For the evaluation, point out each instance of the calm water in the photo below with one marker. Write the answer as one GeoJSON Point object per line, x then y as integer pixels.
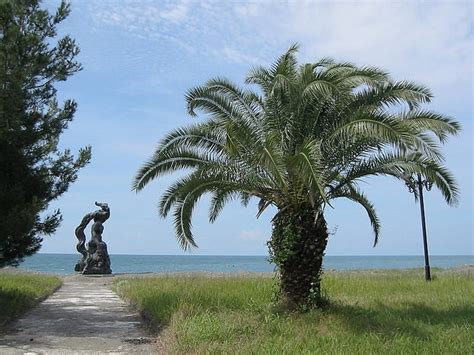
{"type": "Point", "coordinates": [64, 263]}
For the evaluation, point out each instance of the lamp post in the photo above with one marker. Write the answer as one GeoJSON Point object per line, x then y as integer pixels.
{"type": "Point", "coordinates": [418, 184]}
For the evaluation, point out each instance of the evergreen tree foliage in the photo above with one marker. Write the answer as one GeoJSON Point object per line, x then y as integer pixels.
{"type": "Point", "coordinates": [309, 135]}
{"type": "Point", "coordinates": [33, 171]}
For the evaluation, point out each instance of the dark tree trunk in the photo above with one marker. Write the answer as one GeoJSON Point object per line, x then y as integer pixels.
{"type": "Point", "coordinates": [297, 246]}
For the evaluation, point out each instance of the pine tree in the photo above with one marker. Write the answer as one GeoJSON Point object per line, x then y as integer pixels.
{"type": "Point", "coordinates": [33, 171]}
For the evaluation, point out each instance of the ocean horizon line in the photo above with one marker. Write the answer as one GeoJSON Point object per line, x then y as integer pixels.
{"type": "Point", "coordinates": [265, 255]}
{"type": "Point", "coordinates": [126, 263]}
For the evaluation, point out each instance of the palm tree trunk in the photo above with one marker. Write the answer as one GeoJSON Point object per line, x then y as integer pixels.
{"type": "Point", "coordinates": [297, 246]}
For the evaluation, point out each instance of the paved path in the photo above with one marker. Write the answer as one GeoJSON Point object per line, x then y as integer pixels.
{"type": "Point", "coordinates": [83, 317]}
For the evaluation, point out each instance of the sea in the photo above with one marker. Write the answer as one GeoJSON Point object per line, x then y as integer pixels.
{"type": "Point", "coordinates": [64, 263]}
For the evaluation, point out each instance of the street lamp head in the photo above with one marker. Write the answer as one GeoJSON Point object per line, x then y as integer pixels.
{"type": "Point", "coordinates": [409, 181]}
{"type": "Point", "coordinates": [428, 185]}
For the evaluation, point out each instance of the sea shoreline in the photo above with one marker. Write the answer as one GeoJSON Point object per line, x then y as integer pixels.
{"type": "Point", "coordinates": [462, 269]}
{"type": "Point", "coordinates": [63, 264]}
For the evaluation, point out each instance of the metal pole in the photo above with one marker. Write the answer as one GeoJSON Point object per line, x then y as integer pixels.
{"type": "Point", "coordinates": [423, 226]}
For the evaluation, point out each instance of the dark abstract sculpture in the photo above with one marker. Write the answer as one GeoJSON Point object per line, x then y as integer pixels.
{"type": "Point", "coordinates": [95, 258]}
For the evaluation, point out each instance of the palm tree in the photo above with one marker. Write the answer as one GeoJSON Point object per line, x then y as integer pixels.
{"type": "Point", "coordinates": [306, 137]}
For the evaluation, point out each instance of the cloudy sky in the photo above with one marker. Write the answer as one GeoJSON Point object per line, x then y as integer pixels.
{"type": "Point", "coordinates": [140, 57]}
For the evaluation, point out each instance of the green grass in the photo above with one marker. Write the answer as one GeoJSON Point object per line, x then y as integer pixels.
{"type": "Point", "coordinates": [19, 291]}
{"type": "Point", "coordinates": [389, 312]}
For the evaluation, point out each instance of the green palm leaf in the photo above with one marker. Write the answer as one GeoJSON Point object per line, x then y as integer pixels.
{"type": "Point", "coordinates": [308, 135]}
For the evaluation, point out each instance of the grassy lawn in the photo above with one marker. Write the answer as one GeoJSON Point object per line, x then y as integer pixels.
{"type": "Point", "coordinates": [19, 291]}
{"type": "Point", "coordinates": [390, 312]}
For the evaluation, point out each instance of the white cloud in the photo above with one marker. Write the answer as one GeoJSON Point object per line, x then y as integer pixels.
{"type": "Point", "coordinates": [430, 43]}
{"type": "Point", "coordinates": [175, 13]}
{"type": "Point", "coordinates": [127, 13]}
{"type": "Point", "coordinates": [247, 9]}
{"type": "Point", "coordinates": [236, 56]}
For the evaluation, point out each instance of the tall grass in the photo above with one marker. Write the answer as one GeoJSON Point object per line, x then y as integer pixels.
{"type": "Point", "coordinates": [19, 291]}
{"type": "Point", "coordinates": [388, 312]}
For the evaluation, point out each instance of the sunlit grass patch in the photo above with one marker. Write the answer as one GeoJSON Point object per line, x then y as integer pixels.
{"type": "Point", "coordinates": [388, 312]}
{"type": "Point", "coordinates": [19, 292]}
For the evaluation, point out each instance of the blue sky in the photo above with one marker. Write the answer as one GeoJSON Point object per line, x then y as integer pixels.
{"type": "Point", "coordinates": [140, 57]}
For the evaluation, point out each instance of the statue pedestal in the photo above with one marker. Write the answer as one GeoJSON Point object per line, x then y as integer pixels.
{"type": "Point", "coordinates": [97, 261]}
{"type": "Point", "coordinates": [80, 265]}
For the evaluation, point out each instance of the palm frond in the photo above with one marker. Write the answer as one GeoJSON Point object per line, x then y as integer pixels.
{"type": "Point", "coordinates": [169, 162]}
{"type": "Point", "coordinates": [372, 76]}
{"type": "Point", "coordinates": [354, 194]}
{"type": "Point", "coordinates": [189, 194]}
{"type": "Point", "coordinates": [270, 157]}
{"type": "Point", "coordinates": [219, 199]}
{"type": "Point", "coordinates": [305, 163]}
{"type": "Point", "coordinates": [248, 103]}
{"type": "Point", "coordinates": [396, 165]}
{"type": "Point", "coordinates": [262, 77]}
{"type": "Point", "coordinates": [319, 89]}
{"type": "Point", "coordinates": [422, 121]}
{"type": "Point", "coordinates": [286, 64]}
{"type": "Point", "coordinates": [379, 127]}
{"type": "Point", "coordinates": [214, 103]}
{"type": "Point", "coordinates": [389, 94]}
{"type": "Point", "coordinates": [207, 136]}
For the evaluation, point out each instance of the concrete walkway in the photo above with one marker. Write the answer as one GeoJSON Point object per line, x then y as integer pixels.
{"type": "Point", "coordinates": [83, 317]}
